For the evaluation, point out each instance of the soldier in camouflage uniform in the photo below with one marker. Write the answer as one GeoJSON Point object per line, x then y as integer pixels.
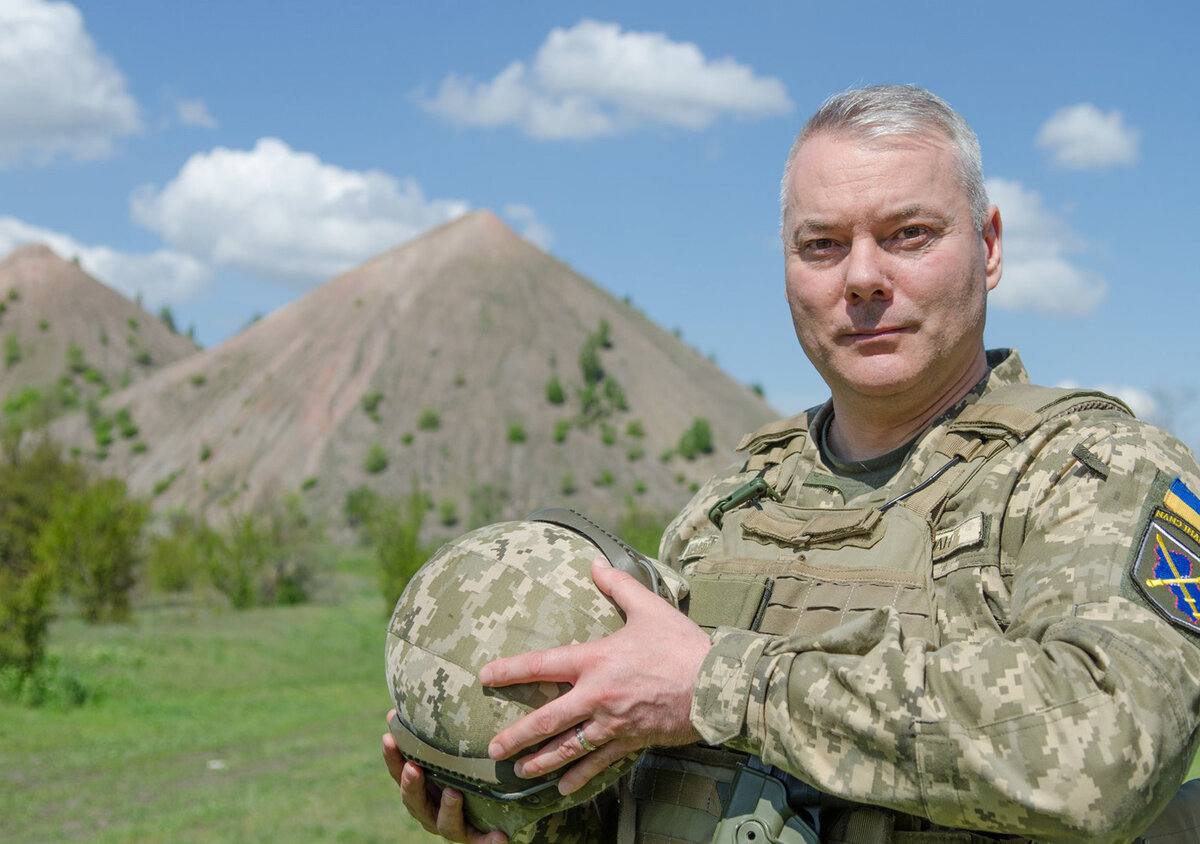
{"type": "Point", "coordinates": [964, 606]}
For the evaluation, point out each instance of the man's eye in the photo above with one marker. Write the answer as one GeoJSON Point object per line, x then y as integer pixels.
{"type": "Point", "coordinates": [913, 234]}
{"type": "Point", "coordinates": [817, 246]}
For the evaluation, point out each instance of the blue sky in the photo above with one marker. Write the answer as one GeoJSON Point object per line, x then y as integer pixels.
{"type": "Point", "coordinates": [224, 158]}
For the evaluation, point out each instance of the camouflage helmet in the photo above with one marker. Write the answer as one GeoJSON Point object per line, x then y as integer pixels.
{"type": "Point", "coordinates": [498, 591]}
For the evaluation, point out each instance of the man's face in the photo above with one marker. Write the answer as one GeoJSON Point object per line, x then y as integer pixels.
{"type": "Point", "coordinates": [887, 277]}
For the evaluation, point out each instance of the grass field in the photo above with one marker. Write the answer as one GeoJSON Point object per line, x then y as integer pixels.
{"type": "Point", "coordinates": [213, 725]}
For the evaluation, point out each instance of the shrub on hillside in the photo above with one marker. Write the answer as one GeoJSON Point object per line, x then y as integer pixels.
{"type": "Point", "coordinates": [376, 460]}
{"type": "Point", "coordinates": [370, 404]}
{"type": "Point", "coordinates": [429, 420]}
{"type": "Point", "coordinates": [561, 427]}
{"type": "Point", "coordinates": [696, 440]}
{"type": "Point", "coordinates": [555, 394]}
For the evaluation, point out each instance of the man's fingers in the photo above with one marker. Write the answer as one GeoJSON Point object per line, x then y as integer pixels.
{"type": "Point", "coordinates": [561, 750]}
{"type": "Point", "coordinates": [625, 589]}
{"type": "Point", "coordinates": [592, 764]}
{"type": "Point", "coordinates": [392, 757]}
{"type": "Point", "coordinates": [556, 665]}
{"type": "Point", "coordinates": [555, 717]}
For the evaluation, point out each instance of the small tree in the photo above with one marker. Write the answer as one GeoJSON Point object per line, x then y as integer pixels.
{"type": "Point", "coordinates": [394, 529]}
{"type": "Point", "coordinates": [555, 394]}
{"type": "Point", "coordinates": [94, 536]}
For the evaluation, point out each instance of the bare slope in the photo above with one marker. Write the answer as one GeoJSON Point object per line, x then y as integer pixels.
{"type": "Point", "coordinates": [56, 321]}
{"type": "Point", "coordinates": [435, 357]}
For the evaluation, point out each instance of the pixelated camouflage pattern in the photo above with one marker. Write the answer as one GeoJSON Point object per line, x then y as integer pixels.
{"type": "Point", "coordinates": [1051, 702]}
{"type": "Point", "coordinates": [501, 590]}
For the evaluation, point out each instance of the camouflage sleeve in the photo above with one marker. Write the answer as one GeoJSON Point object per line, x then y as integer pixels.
{"type": "Point", "coordinates": [1069, 716]}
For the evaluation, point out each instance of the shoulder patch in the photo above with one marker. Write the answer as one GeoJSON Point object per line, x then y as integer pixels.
{"type": "Point", "coordinates": [1167, 568]}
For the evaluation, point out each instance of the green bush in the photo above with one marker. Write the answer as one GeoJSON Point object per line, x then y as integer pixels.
{"type": "Point", "coordinates": [561, 427]}
{"type": "Point", "coordinates": [263, 559]}
{"type": "Point", "coordinates": [125, 424]}
{"type": "Point", "coordinates": [370, 404]}
{"type": "Point", "coordinates": [12, 351]}
{"type": "Point", "coordinates": [94, 538]}
{"type": "Point", "coordinates": [358, 505]}
{"type": "Point", "coordinates": [567, 485]}
{"type": "Point", "coordinates": [75, 361]}
{"type": "Point", "coordinates": [429, 420]}
{"type": "Point", "coordinates": [393, 530]}
{"type": "Point", "coordinates": [205, 452]}
{"type": "Point", "coordinates": [376, 460]}
{"type": "Point", "coordinates": [696, 440]}
{"type": "Point", "coordinates": [555, 394]}
{"type": "Point", "coordinates": [608, 434]}
{"type": "Point", "coordinates": [102, 431]}
{"type": "Point", "coordinates": [615, 395]}
{"type": "Point", "coordinates": [635, 430]}
{"type": "Point", "coordinates": [50, 685]}
{"type": "Point", "coordinates": [516, 433]}
{"type": "Point", "coordinates": [181, 554]}
{"type": "Point", "coordinates": [589, 362]}
{"type": "Point", "coordinates": [29, 489]}
{"type": "Point", "coordinates": [447, 512]}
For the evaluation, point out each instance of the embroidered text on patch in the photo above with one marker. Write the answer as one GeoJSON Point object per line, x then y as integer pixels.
{"type": "Point", "coordinates": [1167, 570]}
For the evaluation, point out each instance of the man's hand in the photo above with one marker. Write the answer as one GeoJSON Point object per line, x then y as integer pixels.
{"type": "Point", "coordinates": [630, 690]}
{"type": "Point", "coordinates": [438, 810]}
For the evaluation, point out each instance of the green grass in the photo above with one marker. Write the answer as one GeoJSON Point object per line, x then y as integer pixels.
{"type": "Point", "coordinates": [213, 725]}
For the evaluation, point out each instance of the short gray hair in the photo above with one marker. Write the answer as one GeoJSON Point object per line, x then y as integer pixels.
{"type": "Point", "coordinates": [884, 110]}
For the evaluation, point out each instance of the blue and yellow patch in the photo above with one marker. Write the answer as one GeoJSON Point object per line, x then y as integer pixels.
{"type": "Point", "coordinates": [1167, 569]}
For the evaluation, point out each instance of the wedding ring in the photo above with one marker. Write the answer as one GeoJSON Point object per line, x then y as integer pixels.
{"type": "Point", "coordinates": [587, 746]}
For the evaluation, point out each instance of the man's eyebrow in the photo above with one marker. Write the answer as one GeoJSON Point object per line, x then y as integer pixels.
{"type": "Point", "coordinates": [915, 212]}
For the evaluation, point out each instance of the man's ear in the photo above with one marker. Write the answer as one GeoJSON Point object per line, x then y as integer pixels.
{"type": "Point", "coordinates": [993, 246]}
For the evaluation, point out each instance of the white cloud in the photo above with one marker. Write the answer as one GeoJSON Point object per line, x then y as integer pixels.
{"type": "Point", "coordinates": [594, 79]}
{"type": "Point", "coordinates": [277, 212]}
{"type": "Point", "coordinates": [58, 93]}
{"type": "Point", "coordinates": [195, 113]}
{"type": "Point", "coordinates": [1081, 137]}
{"type": "Point", "coordinates": [160, 277]}
{"type": "Point", "coordinates": [1038, 274]}
{"type": "Point", "coordinates": [531, 228]}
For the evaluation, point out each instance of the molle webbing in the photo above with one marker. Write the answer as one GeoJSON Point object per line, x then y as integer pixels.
{"type": "Point", "coordinates": [681, 792]}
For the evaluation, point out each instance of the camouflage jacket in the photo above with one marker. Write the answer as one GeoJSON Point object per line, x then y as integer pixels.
{"type": "Point", "coordinates": [1045, 695]}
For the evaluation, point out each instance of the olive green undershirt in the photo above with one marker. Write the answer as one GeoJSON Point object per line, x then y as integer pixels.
{"type": "Point", "coordinates": [858, 476]}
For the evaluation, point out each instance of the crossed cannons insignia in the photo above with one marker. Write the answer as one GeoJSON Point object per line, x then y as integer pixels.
{"type": "Point", "coordinates": [1167, 569]}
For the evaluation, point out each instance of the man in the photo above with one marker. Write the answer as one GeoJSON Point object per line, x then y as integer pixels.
{"type": "Point", "coordinates": [954, 600]}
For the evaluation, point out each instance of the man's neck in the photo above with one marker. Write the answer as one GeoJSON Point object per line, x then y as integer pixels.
{"type": "Point", "coordinates": [865, 426]}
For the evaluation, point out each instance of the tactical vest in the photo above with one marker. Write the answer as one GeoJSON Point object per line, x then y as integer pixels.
{"type": "Point", "coordinates": [785, 556]}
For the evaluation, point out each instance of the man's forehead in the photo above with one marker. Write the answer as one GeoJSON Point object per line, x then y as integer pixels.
{"type": "Point", "coordinates": [900, 176]}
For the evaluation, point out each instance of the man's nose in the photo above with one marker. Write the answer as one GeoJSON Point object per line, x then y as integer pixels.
{"type": "Point", "coordinates": [867, 273]}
